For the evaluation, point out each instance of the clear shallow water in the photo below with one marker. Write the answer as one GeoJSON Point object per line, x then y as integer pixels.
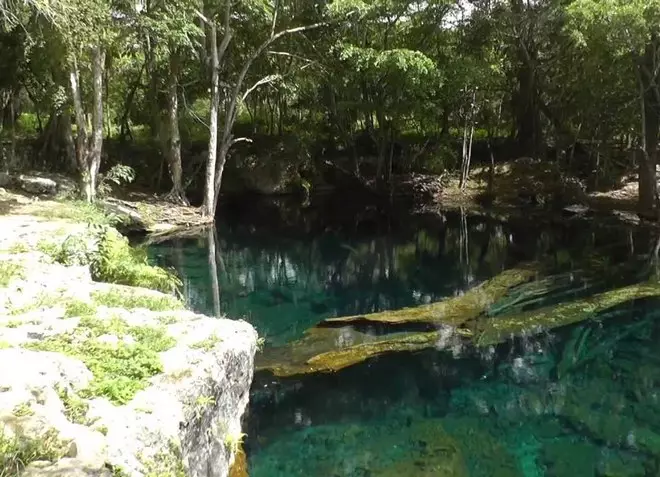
{"type": "Point", "coordinates": [581, 400]}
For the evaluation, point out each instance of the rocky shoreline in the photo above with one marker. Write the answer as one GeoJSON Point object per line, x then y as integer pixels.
{"type": "Point", "coordinates": [101, 379]}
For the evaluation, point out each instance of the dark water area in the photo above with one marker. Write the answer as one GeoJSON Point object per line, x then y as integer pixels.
{"type": "Point", "coordinates": [578, 400]}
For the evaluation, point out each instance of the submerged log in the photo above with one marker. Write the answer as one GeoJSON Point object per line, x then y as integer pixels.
{"type": "Point", "coordinates": [320, 351]}
{"type": "Point", "coordinates": [337, 343]}
{"type": "Point", "coordinates": [499, 329]}
{"type": "Point", "coordinates": [453, 311]}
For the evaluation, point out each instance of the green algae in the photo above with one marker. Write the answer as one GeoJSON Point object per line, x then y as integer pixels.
{"type": "Point", "coordinates": [454, 311]}
{"type": "Point", "coordinates": [414, 447]}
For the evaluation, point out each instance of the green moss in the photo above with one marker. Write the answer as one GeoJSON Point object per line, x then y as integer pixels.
{"type": "Point", "coordinates": [79, 308]}
{"type": "Point", "coordinates": [233, 442]}
{"type": "Point", "coordinates": [207, 344]}
{"type": "Point", "coordinates": [117, 262]}
{"type": "Point", "coordinates": [48, 247]}
{"type": "Point", "coordinates": [131, 300]}
{"type": "Point", "coordinates": [16, 454]}
{"type": "Point", "coordinates": [168, 319]}
{"type": "Point", "coordinates": [119, 370]}
{"type": "Point", "coordinates": [10, 271]}
{"type": "Point", "coordinates": [102, 429]}
{"type": "Point", "coordinates": [166, 464]}
{"type": "Point", "coordinates": [5, 345]}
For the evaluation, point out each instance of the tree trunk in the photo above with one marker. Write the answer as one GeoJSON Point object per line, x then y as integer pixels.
{"type": "Point", "coordinates": [88, 150]}
{"type": "Point", "coordinates": [526, 108]}
{"type": "Point", "coordinates": [81, 134]}
{"type": "Point", "coordinates": [650, 108]}
{"type": "Point", "coordinates": [177, 194]}
{"type": "Point", "coordinates": [208, 208]}
{"type": "Point", "coordinates": [94, 160]}
{"type": "Point", "coordinates": [213, 271]}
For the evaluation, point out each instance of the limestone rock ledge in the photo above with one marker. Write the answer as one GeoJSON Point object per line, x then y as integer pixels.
{"type": "Point", "coordinates": [193, 375]}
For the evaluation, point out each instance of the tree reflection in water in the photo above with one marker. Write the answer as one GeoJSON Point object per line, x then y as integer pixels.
{"type": "Point", "coordinates": [284, 272]}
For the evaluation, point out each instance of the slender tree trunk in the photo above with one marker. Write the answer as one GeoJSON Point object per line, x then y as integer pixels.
{"type": "Point", "coordinates": [81, 134]}
{"type": "Point", "coordinates": [650, 108]}
{"type": "Point", "coordinates": [177, 194]}
{"type": "Point", "coordinates": [94, 161]}
{"type": "Point", "coordinates": [208, 208]}
{"type": "Point", "coordinates": [213, 271]}
{"type": "Point", "coordinates": [88, 150]}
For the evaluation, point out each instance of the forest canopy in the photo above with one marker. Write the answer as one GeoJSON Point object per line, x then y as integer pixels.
{"type": "Point", "coordinates": [185, 89]}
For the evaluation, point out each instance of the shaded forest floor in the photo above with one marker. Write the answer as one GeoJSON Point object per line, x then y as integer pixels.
{"type": "Point", "coordinates": [527, 182]}
{"type": "Point", "coordinates": [140, 211]}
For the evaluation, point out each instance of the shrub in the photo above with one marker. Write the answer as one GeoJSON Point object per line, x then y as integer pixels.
{"type": "Point", "coordinates": [115, 261]}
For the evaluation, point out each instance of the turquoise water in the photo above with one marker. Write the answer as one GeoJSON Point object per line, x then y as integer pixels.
{"type": "Point", "coordinates": [579, 400]}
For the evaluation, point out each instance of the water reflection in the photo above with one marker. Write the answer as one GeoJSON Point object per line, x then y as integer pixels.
{"type": "Point", "coordinates": [285, 280]}
{"type": "Point", "coordinates": [581, 400]}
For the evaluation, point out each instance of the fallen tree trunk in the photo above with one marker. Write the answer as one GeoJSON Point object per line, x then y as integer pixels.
{"type": "Point", "coordinates": [453, 311]}
{"type": "Point", "coordinates": [498, 329]}
{"type": "Point", "coordinates": [330, 349]}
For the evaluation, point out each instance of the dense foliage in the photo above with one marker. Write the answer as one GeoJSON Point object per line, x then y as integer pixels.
{"type": "Point", "coordinates": [369, 88]}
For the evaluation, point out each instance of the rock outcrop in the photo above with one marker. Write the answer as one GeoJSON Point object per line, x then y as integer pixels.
{"type": "Point", "coordinates": [108, 380]}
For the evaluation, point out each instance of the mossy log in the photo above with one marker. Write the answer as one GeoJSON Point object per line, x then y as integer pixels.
{"type": "Point", "coordinates": [453, 311]}
{"type": "Point", "coordinates": [498, 329]}
{"type": "Point", "coordinates": [324, 350]}
{"type": "Point", "coordinates": [320, 352]}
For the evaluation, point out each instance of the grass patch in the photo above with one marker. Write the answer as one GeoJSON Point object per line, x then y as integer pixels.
{"type": "Point", "coordinates": [42, 300]}
{"type": "Point", "coordinates": [5, 344]}
{"type": "Point", "coordinates": [119, 370]}
{"type": "Point", "coordinates": [129, 301]}
{"type": "Point", "coordinates": [16, 454]}
{"type": "Point", "coordinates": [78, 211]}
{"type": "Point", "coordinates": [79, 308]}
{"type": "Point", "coordinates": [10, 271]}
{"type": "Point", "coordinates": [19, 247]}
{"type": "Point", "coordinates": [22, 410]}
{"type": "Point", "coordinates": [75, 408]}
{"type": "Point", "coordinates": [117, 262]}
{"type": "Point", "coordinates": [13, 324]}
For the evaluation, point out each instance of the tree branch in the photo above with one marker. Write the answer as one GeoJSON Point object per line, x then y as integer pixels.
{"type": "Point", "coordinates": [265, 80]}
{"type": "Point", "coordinates": [239, 139]}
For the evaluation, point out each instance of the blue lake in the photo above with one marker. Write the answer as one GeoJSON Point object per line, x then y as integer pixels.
{"type": "Point", "coordinates": [577, 400]}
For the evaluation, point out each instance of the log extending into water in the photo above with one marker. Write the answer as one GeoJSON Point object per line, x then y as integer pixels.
{"type": "Point", "coordinates": [338, 343]}
{"type": "Point", "coordinates": [499, 329]}
{"type": "Point", "coordinates": [453, 311]}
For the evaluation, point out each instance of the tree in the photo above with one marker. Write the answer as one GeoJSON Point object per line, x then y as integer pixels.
{"type": "Point", "coordinates": [630, 29]}
{"type": "Point", "coordinates": [235, 94]}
